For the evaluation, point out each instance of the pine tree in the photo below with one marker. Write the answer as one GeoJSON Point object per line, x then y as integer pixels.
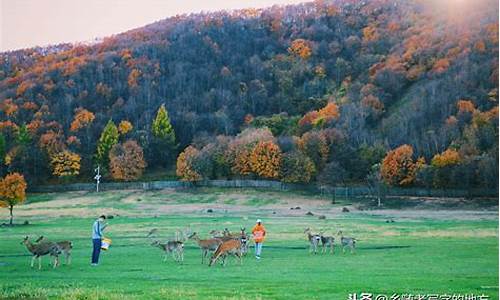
{"type": "Point", "coordinates": [164, 137]}
{"type": "Point", "coordinates": [109, 137]}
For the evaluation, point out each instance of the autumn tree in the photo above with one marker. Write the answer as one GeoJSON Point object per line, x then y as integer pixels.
{"type": "Point", "coordinates": [164, 136]}
{"type": "Point", "coordinates": [82, 119]}
{"type": "Point", "coordinates": [126, 161]}
{"type": "Point", "coordinates": [65, 164]}
{"type": "Point", "coordinates": [109, 137]}
{"type": "Point", "coordinates": [297, 168]}
{"type": "Point", "coordinates": [398, 167]}
{"type": "Point", "coordinates": [240, 149]}
{"type": "Point", "coordinates": [125, 127]}
{"type": "Point", "coordinates": [265, 160]}
{"type": "Point", "coordinates": [12, 192]}
{"type": "Point", "coordinates": [300, 48]}
{"type": "Point", "coordinates": [443, 165]}
{"type": "Point", "coordinates": [185, 168]}
{"type": "Point", "coordinates": [315, 145]}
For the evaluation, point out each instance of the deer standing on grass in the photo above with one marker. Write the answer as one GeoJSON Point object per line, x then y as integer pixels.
{"type": "Point", "coordinates": [174, 247]}
{"type": "Point", "coordinates": [41, 249]}
{"type": "Point", "coordinates": [313, 240]}
{"type": "Point", "coordinates": [347, 242]}
{"type": "Point", "coordinates": [230, 247]}
{"type": "Point", "coordinates": [244, 241]}
{"type": "Point", "coordinates": [208, 245]}
{"type": "Point", "coordinates": [64, 246]}
{"type": "Point", "coordinates": [326, 242]}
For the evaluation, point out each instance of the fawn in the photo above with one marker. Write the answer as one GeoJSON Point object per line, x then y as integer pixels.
{"type": "Point", "coordinates": [327, 242]}
{"type": "Point", "coordinates": [313, 240]}
{"type": "Point", "coordinates": [347, 242]}
{"type": "Point", "coordinates": [230, 247]}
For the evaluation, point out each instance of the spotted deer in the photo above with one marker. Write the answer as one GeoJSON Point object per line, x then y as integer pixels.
{"type": "Point", "coordinates": [326, 242]}
{"type": "Point", "coordinates": [313, 239]}
{"type": "Point", "coordinates": [347, 242]}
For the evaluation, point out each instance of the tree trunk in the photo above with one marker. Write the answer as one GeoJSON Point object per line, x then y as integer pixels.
{"type": "Point", "coordinates": [11, 216]}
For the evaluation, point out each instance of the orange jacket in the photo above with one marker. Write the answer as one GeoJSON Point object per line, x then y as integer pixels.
{"type": "Point", "coordinates": [259, 233]}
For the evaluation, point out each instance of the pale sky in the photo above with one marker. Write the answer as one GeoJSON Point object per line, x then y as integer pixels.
{"type": "Point", "coordinates": [28, 23]}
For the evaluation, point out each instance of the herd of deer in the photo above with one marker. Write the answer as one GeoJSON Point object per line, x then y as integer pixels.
{"type": "Point", "coordinates": [328, 242]}
{"type": "Point", "coordinates": [221, 245]}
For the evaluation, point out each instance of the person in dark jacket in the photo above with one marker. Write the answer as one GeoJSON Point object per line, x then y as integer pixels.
{"type": "Point", "coordinates": [97, 229]}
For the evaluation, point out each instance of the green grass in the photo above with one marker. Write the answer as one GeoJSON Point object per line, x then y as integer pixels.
{"type": "Point", "coordinates": [409, 256]}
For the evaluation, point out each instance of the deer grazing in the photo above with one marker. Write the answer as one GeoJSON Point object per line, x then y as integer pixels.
{"type": "Point", "coordinates": [313, 240]}
{"type": "Point", "coordinates": [41, 249]}
{"type": "Point", "coordinates": [208, 245]}
{"type": "Point", "coordinates": [230, 247]}
{"type": "Point", "coordinates": [64, 246]}
{"type": "Point", "coordinates": [174, 247]}
{"type": "Point", "coordinates": [347, 242]}
{"type": "Point", "coordinates": [326, 242]}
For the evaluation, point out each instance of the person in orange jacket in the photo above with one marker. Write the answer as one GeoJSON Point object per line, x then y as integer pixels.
{"type": "Point", "coordinates": [259, 234]}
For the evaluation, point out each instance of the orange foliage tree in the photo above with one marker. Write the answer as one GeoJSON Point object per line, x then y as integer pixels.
{"type": "Point", "coordinates": [125, 127]}
{"type": "Point", "coordinates": [185, 168]}
{"type": "Point", "coordinates": [398, 167]}
{"type": "Point", "coordinates": [314, 144]}
{"type": "Point", "coordinates": [82, 119]}
{"type": "Point", "coordinates": [12, 192]}
{"type": "Point", "coordinates": [319, 117]}
{"type": "Point", "coordinates": [265, 160]}
{"type": "Point", "coordinates": [65, 164]}
{"type": "Point", "coordinates": [300, 48]}
{"type": "Point", "coordinates": [126, 161]}
{"type": "Point", "coordinates": [449, 157]}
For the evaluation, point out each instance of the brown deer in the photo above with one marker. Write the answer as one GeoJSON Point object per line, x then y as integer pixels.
{"type": "Point", "coordinates": [231, 247]}
{"type": "Point", "coordinates": [205, 245]}
{"type": "Point", "coordinates": [64, 246]}
{"type": "Point", "coordinates": [174, 247]}
{"type": "Point", "coordinates": [41, 249]}
{"type": "Point", "coordinates": [313, 240]}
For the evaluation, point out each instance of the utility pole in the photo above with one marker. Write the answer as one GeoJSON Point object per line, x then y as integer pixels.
{"type": "Point", "coordinates": [97, 178]}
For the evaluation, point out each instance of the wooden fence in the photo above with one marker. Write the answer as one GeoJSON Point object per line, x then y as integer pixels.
{"type": "Point", "coordinates": [345, 191]}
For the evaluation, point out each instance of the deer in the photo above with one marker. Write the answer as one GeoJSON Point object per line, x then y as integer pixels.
{"type": "Point", "coordinates": [41, 249]}
{"type": "Point", "coordinates": [313, 240]}
{"type": "Point", "coordinates": [326, 242]}
{"type": "Point", "coordinates": [205, 245]}
{"type": "Point", "coordinates": [64, 246]}
{"type": "Point", "coordinates": [347, 242]}
{"type": "Point", "coordinates": [244, 241]}
{"type": "Point", "coordinates": [230, 247]}
{"type": "Point", "coordinates": [224, 235]}
{"type": "Point", "coordinates": [174, 247]}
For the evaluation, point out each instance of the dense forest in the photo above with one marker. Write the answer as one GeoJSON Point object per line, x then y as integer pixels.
{"type": "Point", "coordinates": [334, 92]}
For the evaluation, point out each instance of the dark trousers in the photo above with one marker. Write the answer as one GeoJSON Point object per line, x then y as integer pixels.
{"type": "Point", "coordinates": [96, 251]}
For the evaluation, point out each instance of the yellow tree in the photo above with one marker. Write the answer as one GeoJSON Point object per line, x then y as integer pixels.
{"type": "Point", "coordinates": [449, 157]}
{"type": "Point", "coordinates": [125, 127]}
{"type": "Point", "coordinates": [265, 160]}
{"type": "Point", "coordinates": [12, 192]}
{"type": "Point", "coordinates": [65, 163]}
{"type": "Point", "coordinates": [398, 167]}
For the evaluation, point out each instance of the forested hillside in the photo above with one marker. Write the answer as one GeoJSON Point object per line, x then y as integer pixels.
{"type": "Point", "coordinates": [321, 91]}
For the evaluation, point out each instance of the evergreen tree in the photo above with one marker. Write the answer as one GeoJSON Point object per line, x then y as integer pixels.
{"type": "Point", "coordinates": [163, 137]}
{"type": "Point", "coordinates": [109, 137]}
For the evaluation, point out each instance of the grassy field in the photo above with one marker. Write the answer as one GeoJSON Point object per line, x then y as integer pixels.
{"type": "Point", "coordinates": [423, 251]}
